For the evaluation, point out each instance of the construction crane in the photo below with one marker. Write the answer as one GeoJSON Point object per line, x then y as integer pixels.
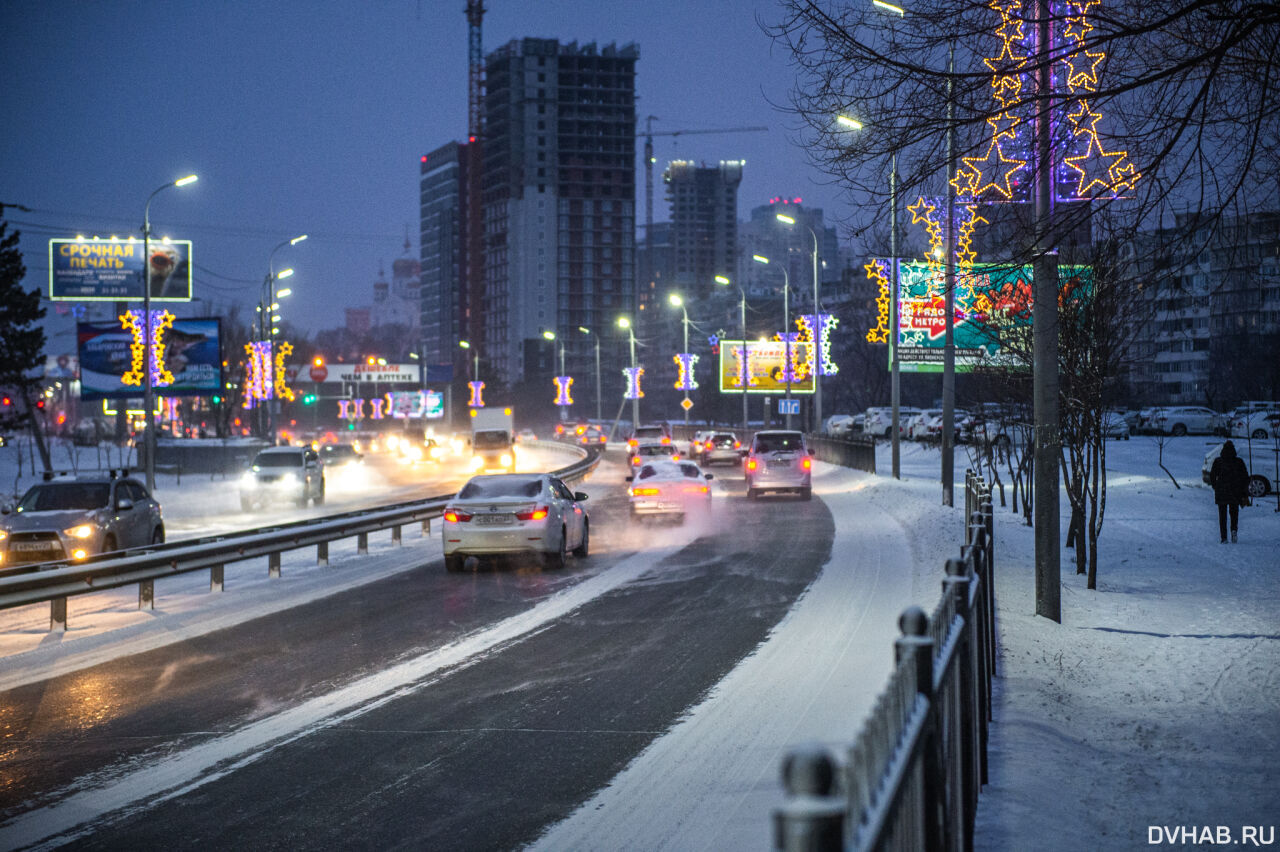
{"type": "Point", "coordinates": [648, 135]}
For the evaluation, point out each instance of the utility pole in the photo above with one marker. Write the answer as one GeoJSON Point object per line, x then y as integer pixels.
{"type": "Point", "coordinates": [895, 396]}
{"type": "Point", "coordinates": [949, 301]}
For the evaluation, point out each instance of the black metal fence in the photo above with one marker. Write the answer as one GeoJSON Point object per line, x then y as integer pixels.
{"type": "Point", "coordinates": [912, 777]}
{"type": "Point", "coordinates": [858, 453]}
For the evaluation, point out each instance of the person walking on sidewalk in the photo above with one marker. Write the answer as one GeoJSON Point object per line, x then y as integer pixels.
{"type": "Point", "coordinates": [1230, 481]}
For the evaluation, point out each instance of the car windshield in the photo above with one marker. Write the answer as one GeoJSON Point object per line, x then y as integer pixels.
{"type": "Point", "coordinates": [724, 440]}
{"type": "Point", "coordinates": [489, 440]}
{"type": "Point", "coordinates": [278, 460]}
{"type": "Point", "coordinates": [338, 451]}
{"type": "Point", "coordinates": [493, 487]}
{"type": "Point", "coordinates": [66, 495]}
{"type": "Point", "coordinates": [779, 442]}
{"type": "Point", "coordinates": [649, 432]}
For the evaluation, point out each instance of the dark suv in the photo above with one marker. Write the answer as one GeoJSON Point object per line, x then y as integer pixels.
{"type": "Point", "coordinates": [73, 519]}
{"type": "Point", "coordinates": [283, 473]}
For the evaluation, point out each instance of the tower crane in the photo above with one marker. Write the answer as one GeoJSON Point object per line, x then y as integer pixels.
{"type": "Point", "coordinates": [648, 135]}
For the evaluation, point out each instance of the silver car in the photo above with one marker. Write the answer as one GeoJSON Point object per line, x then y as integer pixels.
{"type": "Point", "coordinates": [778, 461]}
{"type": "Point", "coordinates": [511, 514]}
{"type": "Point", "coordinates": [283, 473]}
{"type": "Point", "coordinates": [669, 490]}
{"type": "Point", "coordinates": [73, 519]}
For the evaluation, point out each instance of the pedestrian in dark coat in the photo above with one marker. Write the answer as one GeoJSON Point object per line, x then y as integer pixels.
{"type": "Point", "coordinates": [1230, 481]}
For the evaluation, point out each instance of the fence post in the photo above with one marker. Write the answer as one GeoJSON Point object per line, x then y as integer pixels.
{"type": "Point", "coordinates": [811, 819]}
{"type": "Point", "coordinates": [273, 565]}
{"type": "Point", "coordinates": [362, 544]}
{"type": "Point", "coordinates": [426, 526]}
{"type": "Point", "coordinates": [957, 583]}
{"type": "Point", "coordinates": [58, 614]}
{"type": "Point", "coordinates": [215, 578]}
{"type": "Point", "coordinates": [395, 534]}
{"type": "Point", "coordinates": [322, 553]}
{"type": "Point", "coordinates": [917, 642]}
{"type": "Point", "coordinates": [147, 594]}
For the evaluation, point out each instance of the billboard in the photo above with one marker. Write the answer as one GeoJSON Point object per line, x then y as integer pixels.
{"type": "Point", "coordinates": [192, 353]}
{"type": "Point", "coordinates": [372, 373]}
{"type": "Point", "coordinates": [991, 302]}
{"type": "Point", "coordinates": [765, 359]}
{"type": "Point", "coordinates": [98, 270]}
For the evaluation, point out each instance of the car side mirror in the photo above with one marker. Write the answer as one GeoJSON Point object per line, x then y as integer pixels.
{"type": "Point", "coordinates": [6, 508]}
{"type": "Point", "coordinates": [124, 504]}
{"type": "Point", "coordinates": [709, 475]}
{"type": "Point", "coordinates": [580, 496]}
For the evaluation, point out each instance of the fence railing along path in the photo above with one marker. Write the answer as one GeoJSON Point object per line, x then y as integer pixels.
{"type": "Point", "coordinates": [912, 776]}
{"type": "Point", "coordinates": [145, 565]}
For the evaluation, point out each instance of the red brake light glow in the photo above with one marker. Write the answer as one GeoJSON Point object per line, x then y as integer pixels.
{"type": "Point", "coordinates": [537, 514]}
{"type": "Point", "coordinates": [695, 489]}
{"type": "Point", "coordinates": [666, 440]}
{"type": "Point", "coordinates": [751, 464]}
{"type": "Point", "coordinates": [635, 461]}
{"type": "Point", "coordinates": [644, 492]}
{"type": "Point", "coordinates": [454, 516]}
{"type": "Point", "coordinates": [807, 464]}
{"type": "Point", "coordinates": [737, 445]}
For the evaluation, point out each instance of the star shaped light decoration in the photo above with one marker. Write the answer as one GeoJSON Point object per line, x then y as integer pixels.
{"type": "Point", "coordinates": [879, 333]}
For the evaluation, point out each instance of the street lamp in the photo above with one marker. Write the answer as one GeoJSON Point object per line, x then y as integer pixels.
{"type": "Point", "coordinates": [624, 322]}
{"type": "Point", "coordinates": [724, 281]}
{"type": "Point", "coordinates": [148, 398]}
{"type": "Point", "coordinates": [551, 335]}
{"type": "Point", "coordinates": [268, 322]}
{"type": "Point", "coordinates": [676, 301]}
{"type": "Point", "coordinates": [585, 330]}
{"type": "Point", "coordinates": [786, 333]}
{"type": "Point", "coordinates": [475, 369]}
{"type": "Point", "coordinates": [817, 328]}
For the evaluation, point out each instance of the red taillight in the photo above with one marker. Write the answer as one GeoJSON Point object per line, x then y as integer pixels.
{"type": "Point", "coordinates": [455, 516]}
{"type": "Point", "coordinates": [751, 464]}
{"type": "Point", "coordinates": [635, 461]}
{"type": "Point", "coordinates": [666, 440]}
{"type": "Point", "coordinates": [737, 445]}
{"type": "Point", "coordinates": [631, 443]}
{"type": "Point", "coordinates": [602, 439]}
{"type": "Point", "coordinates": [675, 457]}
{"type": "Point", "coordinates": [695, 489]}
{"type": "Point", "coordinates": [644, 492]}
{"type": "Point", "coordinates": [581, 430]}
{"type": "Point", "coordinates": [806, 464]}
{"type": "Point", "coordinates": [536, 515]}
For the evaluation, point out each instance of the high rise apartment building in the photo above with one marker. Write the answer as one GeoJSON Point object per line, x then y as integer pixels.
{"type": "Point", "coordinates": [789, 246]}
{"type": "Point", "coordinates": [704, 223]}
{"type": "Point", "coordinates": [443, 294]}
{"type": "Point", "coordinates": [559, 195]}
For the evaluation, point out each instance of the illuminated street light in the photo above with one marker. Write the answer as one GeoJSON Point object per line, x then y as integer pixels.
{"type": "Point", "coordinates": [676, 301]}
{"type": "Point", "coordinates": [625, 322]}
{"type": "Point", "coordinates": [786, 332]}
{"type": "Point", "coordinates": [723, 280]}
{"type": "Point", "coordinates": [817, 327]}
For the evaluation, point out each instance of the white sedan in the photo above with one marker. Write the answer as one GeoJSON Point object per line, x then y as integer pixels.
{"type": "Point", "coordinates": [512, 514]}
{"type": "Point", "coordinates": [669, 489]}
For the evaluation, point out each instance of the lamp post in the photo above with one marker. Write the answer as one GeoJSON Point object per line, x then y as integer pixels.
{"type": "Point", "coordinates": [817, 327]}
{"type": "Point", "coordinates": [786, 333]}
{"type": "Point", "coordinates": [268, 307]}
{"type": "Point", "coordinates": [585, 330]}
{"type": "Point", "coordinates": [722, 280]}
{"type": "Point", "coordinates": [676, 301]}
{"type": "Point", "coordinates": [148, 395]}
{"type": "Point", "coordinates": [624, 322]}
{"type": "Point", "coordinates": [475, 364]}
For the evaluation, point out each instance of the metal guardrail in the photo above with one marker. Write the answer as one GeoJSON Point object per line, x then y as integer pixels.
{"type": "Point", "coordinates": [858, 452]}
{"type": "Point", "coordinates": [913, 774]}
{"type": "Point", "coordinates": [145, 565]}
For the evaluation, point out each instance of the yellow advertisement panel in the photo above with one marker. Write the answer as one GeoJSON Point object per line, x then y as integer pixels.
{"type": "Point", "coordinates": [764, 367]}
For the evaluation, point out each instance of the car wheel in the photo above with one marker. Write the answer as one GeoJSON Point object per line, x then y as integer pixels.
{"type": "Point", "coordinates": [1258, 487]}
{"type": "Point", "coordinates": [1259, 433]}
{"type": "Point", "coordinates": [157, 537]}
{"type": "Point", "coordinates": [806, 493]}
{"type": "Point", "coordinates": [318, 500]}
{"type": "Point", "coordinates": [1179, 430]}
{"type": "Point", "coordinates": [584, 548]}
{"type": "Point", "coordinates": [246, 504]}
{"type": "Point", "coordinates": [555, 559]}
{"type": "Point", "coordinates": [454, 564]}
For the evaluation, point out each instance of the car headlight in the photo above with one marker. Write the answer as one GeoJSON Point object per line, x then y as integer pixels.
{"type": "Point", "coordinates": [249, 479]}
{"type": "Point", "coordinates": [476, 462]}
{"type": "Point", "coordinates": [415, 453]}
{"type": "Point", "coordinates": [506, 459]}
{"type": "Point", "coordinates": [81, 531]}
{"type": "Point", "coordinates": [4, 534]}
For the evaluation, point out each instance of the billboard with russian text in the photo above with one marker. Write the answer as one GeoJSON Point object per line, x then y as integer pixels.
{"type": "Point", "coordinates": [98, 270]}
{"type": "Point", "coordinates": [192, 353]}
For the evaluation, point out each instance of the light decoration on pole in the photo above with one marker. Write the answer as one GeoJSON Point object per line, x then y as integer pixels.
{"type": "Point", "coordinates": [685, 362]}
{"type": "Point", "coordinates": [634, 375]}
{"type": "Point", "coordinates": [161, 321]}
{"type": "Point", "coordinates": [282, 351]}
{"type": "Point", "coordinates": [563, 384]}
{"type": "Point", "coordinates": [824, 323]}
{"type": "Point", "coordinates": [351, 409]}
{"type": "Point", "coordinates": [742, 366]}
{"type": "Point", "coordinates": [259, 384]}
{"type": "Point", "coordinates": [477, 394]}
{"type": "Point", "coordinates": [377, 407]}
{"type": "Point", "coordinates": [879, 333]}
{"type": "Point", "coordinates": [801, 361]}
{"type": "Point", "coordinates": [1088, 170]}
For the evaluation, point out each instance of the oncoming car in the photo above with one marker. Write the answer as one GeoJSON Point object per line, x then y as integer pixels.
{"type": "Point", "coordinates": [779, 461]}
{"type": "Point", "coordinates": [283, 473]}
{"type": "Point", "coordinates": [74, 519]}
{"type": "Point", "coordinates": [669, 489]}
{"type": "Point", "coordinates": [512, 514]}
{"type": "Point", "coordinates": [653, 450]}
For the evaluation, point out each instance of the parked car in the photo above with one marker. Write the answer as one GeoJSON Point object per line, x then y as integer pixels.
{"type": "Point", "coordinates": [73, 519]}
{"type": "Point", "coordinates": [1178, 420]}
{"type": "Point", "coordinates": [1114, 425]}
{"type": "Point", "coordinates": [512, 514]}
{"type": "Point", "coordinates": [1259, 484]}
{"type": "Point", "coordinates": [918, 424]}
{"type": "Point", "coordinates": [839, 425]}
{"type": "Point", "coordinates": [671, 490]}
{"type": "Point", "coordinates": [779, 460]}
{"type": "Point", "coordinates": [283, 473]}
{"type": "Point", "coordinates": [1256, 424]}
{"type": "Point", "coordinates": [877, 419]}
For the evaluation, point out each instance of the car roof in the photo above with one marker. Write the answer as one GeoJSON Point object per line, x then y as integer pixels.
{"type": "Point", "coordinates": [281, 450]}
{"type": "Point", "coordinates": [779, 432]}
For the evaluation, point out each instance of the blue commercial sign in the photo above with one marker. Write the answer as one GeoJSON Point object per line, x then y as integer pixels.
{"type": "Point", "coordinates": [192, 353]}
{"type": "Point", "coordinates": [86, 270]}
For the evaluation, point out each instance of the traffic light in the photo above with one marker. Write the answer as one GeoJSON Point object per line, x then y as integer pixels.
{"type": "Point", "coordinates": [40, 404]}
{"type": "Point", "coordinates": [317, 361]}
{"type": "Point", "coordinates": [308, 399]}
{"type": "Point", "coordinates": [217, 400]}
{"type": "Point", "coordinates": [6, 402]}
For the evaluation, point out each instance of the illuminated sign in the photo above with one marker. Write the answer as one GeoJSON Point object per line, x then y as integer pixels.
{"type": "Point", "coordinates": [160, 323]}
{"type": "Point", "coordinates": [189, 352]}
{"type": "Point", "coordinates": [477, 394]}
{"type": "Point", "coordinates": [111, 270]}
{"type": "Point", "coordinates": [563, 384]}
{"type": "Point", "coordinates": [633, 375]}
{"type": "Point", "coordinates": [760, 362]}
{"type": "Point", "coordinates": [377, 373]}
{"type": "Point", "coordinates": [685, 362]}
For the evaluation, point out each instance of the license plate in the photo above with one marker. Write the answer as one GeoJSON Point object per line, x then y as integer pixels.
{"type": "Point", "coordinates": [494, 520]}
{"type": "Point", "coordinates": [33, 546]}
{"type": "Point", "coordinates": [668, 505]}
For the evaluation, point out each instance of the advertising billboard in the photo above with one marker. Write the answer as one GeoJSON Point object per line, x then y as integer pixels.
{"type": "Point", "coordinates": [98, 270]}
{"type": "Point", "coordinates": [192, 353]}
{"type": "Point", "coordinates": [373, 373]}
{"type": "Point", "coordinates": [765, 359]}
{"type": "Point", "coordinates": [992, 301]}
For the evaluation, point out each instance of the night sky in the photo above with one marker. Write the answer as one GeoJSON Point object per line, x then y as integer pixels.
{"type": "Point", "coordinates": [311, 118]}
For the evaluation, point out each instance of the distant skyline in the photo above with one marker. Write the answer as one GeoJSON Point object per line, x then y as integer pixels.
{"type": "Point", "coordinates": [311, 118]}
